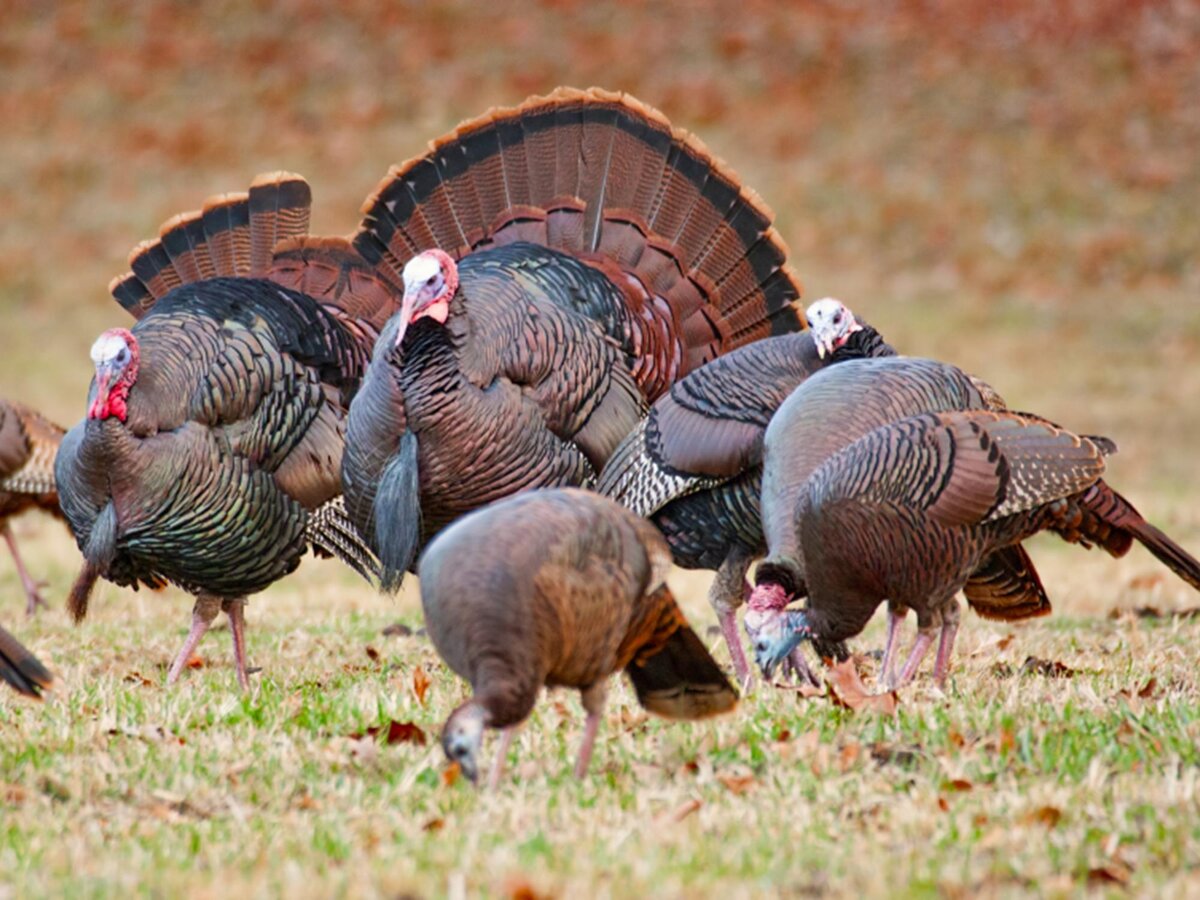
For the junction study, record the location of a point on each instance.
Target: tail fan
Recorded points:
(608, 179)
(682, 680)
(21, 669)
(1006, 586)
(261, 233)
(397, 514)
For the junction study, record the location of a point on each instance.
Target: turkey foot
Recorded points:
(33, 596)
(919, 649)
(941, 664)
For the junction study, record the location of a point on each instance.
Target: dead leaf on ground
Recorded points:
(1050, 668)
(434, 825)
(372, 654)
(12, 794)
(397, 629)
(1043, 815)
(737, 783)
(1145, 692)
(1146, 582)
(520, 889)
(904, 757)
(958, 785)
(394, 733)
(1110, 873)
(136, 677)
(451, 774)
(994, 644)
(198, 662)
(679, 813)
(846, 689)
(420, 684)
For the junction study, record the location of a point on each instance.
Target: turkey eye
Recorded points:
(430, 280)
(837, 320)
(123, 355)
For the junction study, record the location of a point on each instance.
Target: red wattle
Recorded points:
(768, 597)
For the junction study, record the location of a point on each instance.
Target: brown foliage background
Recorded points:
(1009, 185)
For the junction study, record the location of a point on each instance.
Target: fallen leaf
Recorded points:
(737, 784)
(12, 794)
(1109, 873)
(397, 629)
(848, 755)
(680, 812)
(960, 785)
(394, 733)
(1146, 691)
(138, 678)
(434, 825)
(420, 683)
(451, 774)
(305, 801)
(520, 889)
(1145, 582)
(1046, 667)
(783, 735)
(197, 662)
(632, 718)
(1043, 815)
(943, 805)
(372, 654)
(993, 644)
(846, 689)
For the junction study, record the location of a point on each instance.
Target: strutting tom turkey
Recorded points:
(211, 450)
(562, 263)
(694, 464)
(915, 505)
(559, 588)
(28, 444)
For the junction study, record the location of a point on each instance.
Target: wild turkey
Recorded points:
(559, 588)
(28, 444)
(916, 508)
(211, 452)
(562, 263)
(694, 464)
(21, 669)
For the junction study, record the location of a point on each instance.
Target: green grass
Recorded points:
(1006, 782)
(1010, 187)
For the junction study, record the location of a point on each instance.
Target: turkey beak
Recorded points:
(823, 342)
(104, 377)
(460, 749)
(406, 311)
(774, 640)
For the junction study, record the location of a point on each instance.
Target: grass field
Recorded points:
(1009, 187)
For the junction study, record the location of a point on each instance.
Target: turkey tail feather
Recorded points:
(1115, 511)
(682, 680)
(21, 669)
(398, 514)
(598, 174)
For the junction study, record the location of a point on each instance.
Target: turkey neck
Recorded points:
(428, 365)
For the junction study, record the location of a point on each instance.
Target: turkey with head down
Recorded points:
(562, 264)
(919, 506)
(559, 587)
(694, 464)
(211, 452)
(28, 444)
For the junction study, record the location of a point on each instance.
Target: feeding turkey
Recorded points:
(28, 444)
(915, 505)
(694, 464)
(559, 588)
(211, 451)
(562, 264)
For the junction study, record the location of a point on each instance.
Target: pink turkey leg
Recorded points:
(235, 609)
(203, 613)
(33, 596)
(894, 621)
(506, 739)
(593, 702)
(920, 647)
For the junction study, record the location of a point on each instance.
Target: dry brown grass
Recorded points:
(1011, 187)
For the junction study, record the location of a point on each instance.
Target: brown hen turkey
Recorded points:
(559, 588)
(28, 444)
(211, 452)
(562, 264)
(913, 509)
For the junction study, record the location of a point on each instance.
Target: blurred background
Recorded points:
(1011, 186)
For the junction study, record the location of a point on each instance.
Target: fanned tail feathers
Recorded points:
(260, 233)
(607, 178)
